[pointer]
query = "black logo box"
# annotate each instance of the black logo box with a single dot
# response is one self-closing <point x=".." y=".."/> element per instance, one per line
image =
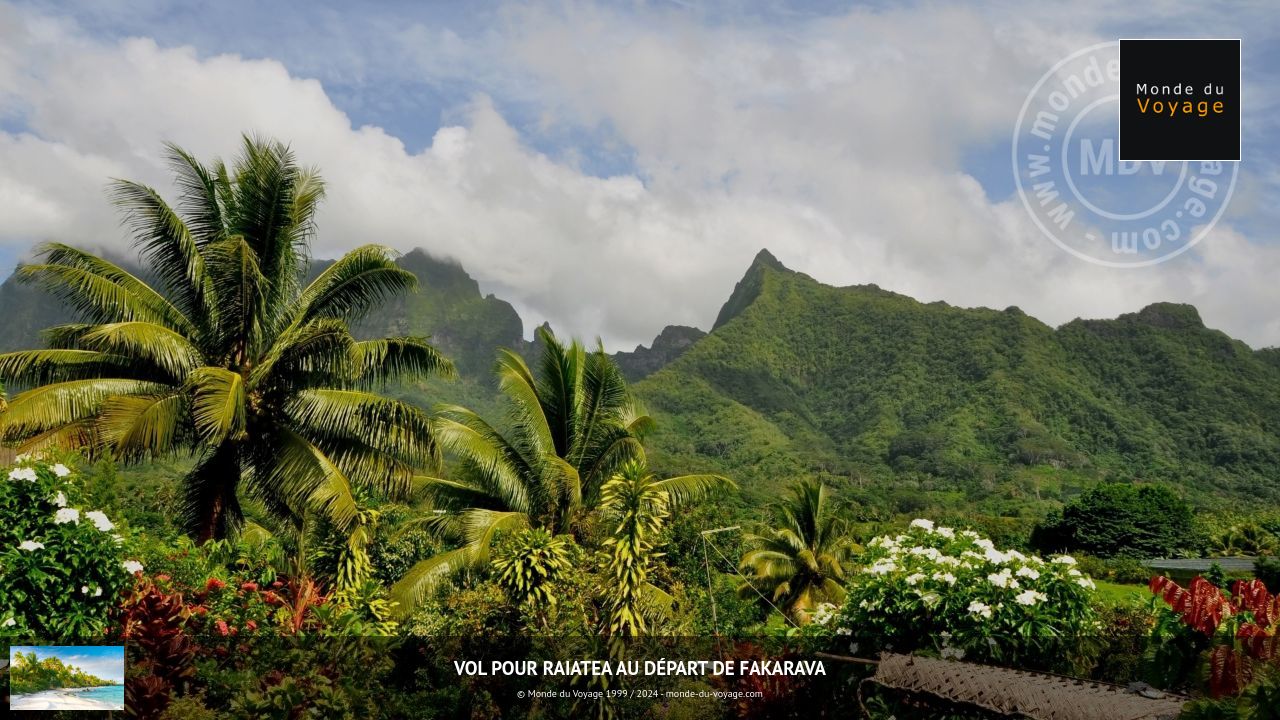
<point x="1185" y="67"/>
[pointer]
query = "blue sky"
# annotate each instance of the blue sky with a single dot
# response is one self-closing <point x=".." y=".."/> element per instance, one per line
<point x="104" y="661"/>
<point x="612" y="167"/>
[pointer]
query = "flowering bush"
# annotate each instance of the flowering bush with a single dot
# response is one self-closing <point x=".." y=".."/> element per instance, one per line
<point x="61" y="566"/>
<point x="935" y="588"/>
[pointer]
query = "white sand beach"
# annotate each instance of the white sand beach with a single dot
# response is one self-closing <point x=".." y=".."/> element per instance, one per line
<point x="62" y="699"/>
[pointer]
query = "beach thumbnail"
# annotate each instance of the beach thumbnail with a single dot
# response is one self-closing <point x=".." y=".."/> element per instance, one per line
<point x="66" y="677"/>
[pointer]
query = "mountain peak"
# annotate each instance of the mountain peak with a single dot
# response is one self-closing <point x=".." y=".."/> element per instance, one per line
<point x="1170" y="316"/>
<point x="764" y="258"/>
<point x="748" y="288"/>
<point x="667" y="346"/>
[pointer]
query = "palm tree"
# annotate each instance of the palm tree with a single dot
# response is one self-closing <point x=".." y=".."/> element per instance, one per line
<point x="1244" y="539"/>
<point x="800" y="563"/>
<point x="229" y="356"/>
<point x="568" y="430"/>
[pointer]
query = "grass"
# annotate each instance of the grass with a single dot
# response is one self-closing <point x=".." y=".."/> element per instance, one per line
<point x="1119" y="594"/>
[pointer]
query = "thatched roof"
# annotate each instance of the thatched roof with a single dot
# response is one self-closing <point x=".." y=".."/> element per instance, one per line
<point x="1021" y="694"/>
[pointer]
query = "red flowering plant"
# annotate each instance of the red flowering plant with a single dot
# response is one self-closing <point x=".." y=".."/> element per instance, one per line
<point x="1234" y="637"/>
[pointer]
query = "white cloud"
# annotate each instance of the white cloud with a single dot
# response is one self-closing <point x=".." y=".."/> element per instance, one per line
<point x="837" y="144"/>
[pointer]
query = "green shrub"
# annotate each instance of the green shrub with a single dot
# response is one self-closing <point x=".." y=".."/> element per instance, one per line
<point x="62" y="568"/>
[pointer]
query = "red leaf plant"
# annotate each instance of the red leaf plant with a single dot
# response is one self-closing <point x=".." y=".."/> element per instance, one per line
<point x="1253" y="610"/>
<point x="153" y="622"/>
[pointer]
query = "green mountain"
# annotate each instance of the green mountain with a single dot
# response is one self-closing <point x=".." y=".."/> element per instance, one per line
<point x="905" y="405"/>
<point x="912" y="404"/>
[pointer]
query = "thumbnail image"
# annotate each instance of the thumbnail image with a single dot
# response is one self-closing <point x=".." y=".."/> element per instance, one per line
<point x="58" y="677"/>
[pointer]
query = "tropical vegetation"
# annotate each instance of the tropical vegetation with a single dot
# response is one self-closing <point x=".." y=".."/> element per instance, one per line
<point x="29" y="674"/>
<point x="227" y="353"/>
<point x="567" y="431"/>
<point x="800" y="563"/>
<point x="281" y="518"/>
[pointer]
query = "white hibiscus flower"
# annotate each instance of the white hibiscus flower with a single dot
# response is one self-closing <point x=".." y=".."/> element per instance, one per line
<point x="980" y="608"/>
<point x="100" y="520"/>
<point x="1030" y="597"/>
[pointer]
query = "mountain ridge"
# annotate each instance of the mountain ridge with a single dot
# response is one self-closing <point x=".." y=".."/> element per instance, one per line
<point x="863" y="385"/>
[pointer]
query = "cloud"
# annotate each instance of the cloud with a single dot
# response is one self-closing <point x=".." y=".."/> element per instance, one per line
<point x="842" y="143"/>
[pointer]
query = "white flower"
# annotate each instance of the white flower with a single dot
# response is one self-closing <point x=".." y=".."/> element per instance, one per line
<point x="23" y="473"/>
<point x="1030" y="597"/>
<point x="824" y="613"/>
<point x="66" y="515"/>
<point x="1086" y="583"/>
<point x="97" y="592"/>
<point x="844" y="631"/>
<point x="60" y="500"/>
<point x="131" y="566"/>
<point x="985" y="544"/>
<point x="22" y="458"/>
<point x="31" y="545"/>
<point x="949" y="653"/>
<point x="969" y="534"/>
<point x="1065" y="560"/>
<point x="100" y="520"/>
<point x="84" y="589"/>
<point x="1027" y="572"/>
<point x="946" y="532"/>
<point x="9" y="622"/>
<point x="1015" y="555"/>
<point x="926" y="525"/>
<point x="945" y="577"/>
<point x="882" y="567"/>
<point x="1074" y="572"/>
<point x="995" y="557"/>
<point x="931" y="598"/>
<point x="61" y="470"/>
<point x="915" y="578"/>
<point x="980" y="608"/>
<point x="1003" y="579"/>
